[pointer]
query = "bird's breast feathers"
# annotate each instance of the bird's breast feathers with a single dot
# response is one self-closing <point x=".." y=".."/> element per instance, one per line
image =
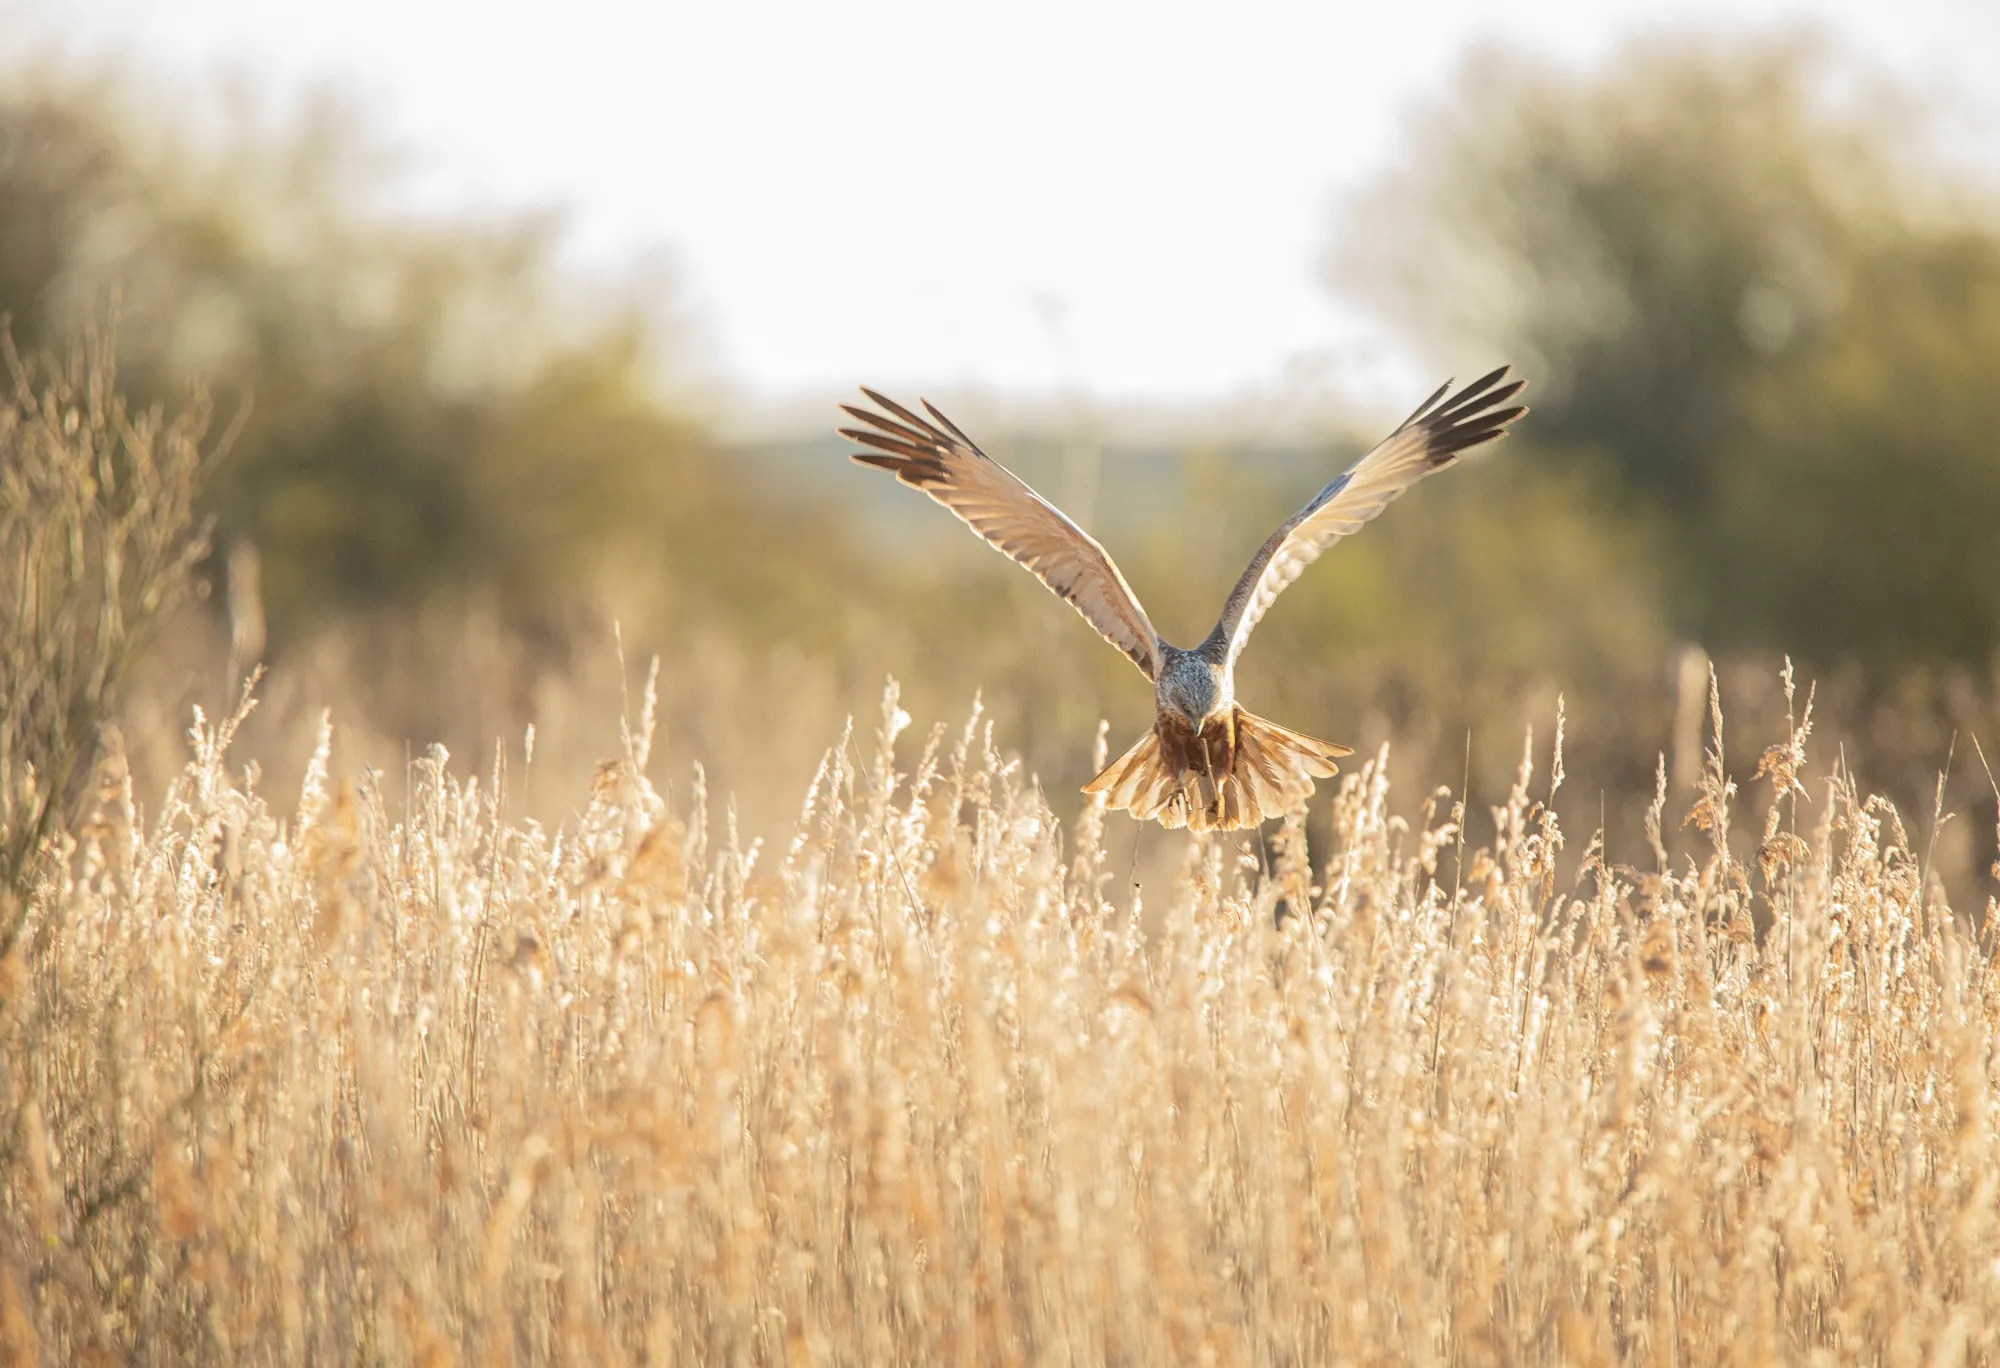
<point x="1206" y="752"/>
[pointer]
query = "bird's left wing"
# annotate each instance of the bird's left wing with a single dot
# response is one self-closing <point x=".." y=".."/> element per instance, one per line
<point x="990" y="499"/>
<point x="1429" y="439"/>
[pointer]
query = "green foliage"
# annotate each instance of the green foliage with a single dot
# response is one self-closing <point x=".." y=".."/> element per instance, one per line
<point x="1760" y="344"/>
<point x="1750" y="297"/>
<point x="1502" y="562"/>
<point x="434" y="419"/>
<point x="1860" y="496"/>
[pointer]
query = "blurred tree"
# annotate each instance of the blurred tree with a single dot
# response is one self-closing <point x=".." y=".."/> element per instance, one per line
<point x="435" y="417"/>
<point x="1860" y="493"/>
<point x="1743" y="289"/>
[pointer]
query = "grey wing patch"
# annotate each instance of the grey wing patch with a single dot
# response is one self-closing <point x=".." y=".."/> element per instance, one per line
<point x="1321" y="499"/>
<point x="1428" y="440"/>
<point x="933" y="455"/>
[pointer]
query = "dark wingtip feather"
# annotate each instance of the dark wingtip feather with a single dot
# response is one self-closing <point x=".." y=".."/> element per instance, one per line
<point x="888" y="441"/>
<point x="1472" y="417"/>
<point x="1423" y="410"/>
<point x="956" y="431"/>
<point x="897" y="409"/>
<point x="1466" y="403"/>
<point x="918" y="436"/>
<point x="1474" y="395"/>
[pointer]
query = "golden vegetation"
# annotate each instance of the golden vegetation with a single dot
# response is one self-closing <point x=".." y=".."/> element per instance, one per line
<point x="402" y="1072"/>
<point x="395" y="1074"/>
<point x="931" y="1083"/>
<point x="98" y="544"/>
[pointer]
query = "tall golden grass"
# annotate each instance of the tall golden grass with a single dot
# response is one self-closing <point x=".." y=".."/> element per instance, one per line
<point x="387" y="1075"/>
<point x="397" y="1073"/>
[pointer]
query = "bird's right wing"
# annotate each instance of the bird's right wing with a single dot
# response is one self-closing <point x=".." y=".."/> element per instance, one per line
<point x="990" y="499"/>
<point x="1429" y="439"/>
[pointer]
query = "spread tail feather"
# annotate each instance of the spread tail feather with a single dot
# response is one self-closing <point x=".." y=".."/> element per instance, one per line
<point x="1271" y="772"/>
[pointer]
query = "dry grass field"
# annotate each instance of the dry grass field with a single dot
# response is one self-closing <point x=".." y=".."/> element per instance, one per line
<point x="384" y="1075"/>
<point x="390" y="1072"/>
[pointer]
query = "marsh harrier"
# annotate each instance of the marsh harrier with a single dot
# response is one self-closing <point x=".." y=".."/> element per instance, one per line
<point x="1206" y="764"/>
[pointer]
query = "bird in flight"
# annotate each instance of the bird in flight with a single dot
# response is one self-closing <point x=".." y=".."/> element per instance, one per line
<point x="1206" y="764"/>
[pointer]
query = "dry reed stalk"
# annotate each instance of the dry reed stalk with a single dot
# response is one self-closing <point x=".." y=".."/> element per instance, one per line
<point x="350" y="1086"/>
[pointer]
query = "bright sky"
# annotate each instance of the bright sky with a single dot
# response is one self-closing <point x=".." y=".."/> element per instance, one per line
<point x="1124" y="200"/>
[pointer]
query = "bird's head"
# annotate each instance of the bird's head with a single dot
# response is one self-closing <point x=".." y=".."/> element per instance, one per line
<point x="1192" y="689"/>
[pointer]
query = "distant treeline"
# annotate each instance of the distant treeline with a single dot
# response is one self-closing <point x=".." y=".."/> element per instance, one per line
<point x="433" y="419"/>
<point x="1765" y="315"/>
<point x="1760" y="316"/>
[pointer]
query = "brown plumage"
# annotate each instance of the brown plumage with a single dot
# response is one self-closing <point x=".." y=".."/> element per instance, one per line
<point x="1207" y="763"/>
<point x="1234" y="772"/>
